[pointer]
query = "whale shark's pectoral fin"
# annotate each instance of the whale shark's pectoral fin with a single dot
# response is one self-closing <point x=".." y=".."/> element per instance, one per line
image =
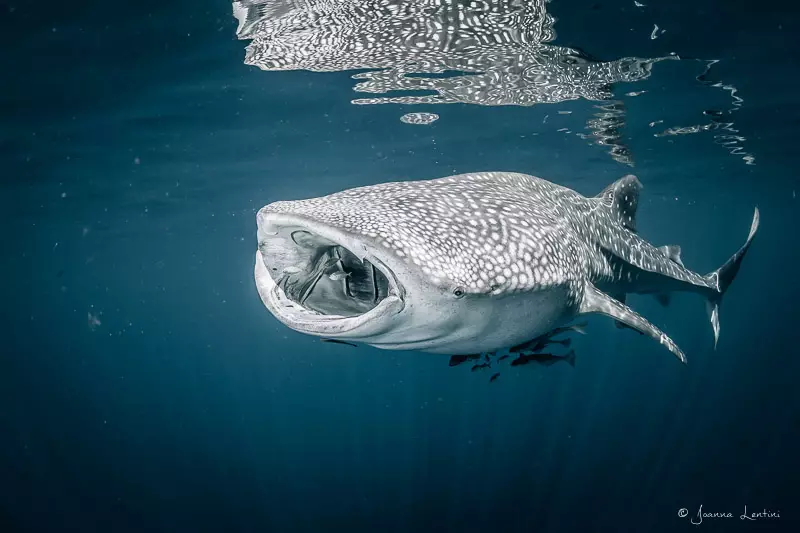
<point x="595" y="301"/>
<point x="621" y="297"/>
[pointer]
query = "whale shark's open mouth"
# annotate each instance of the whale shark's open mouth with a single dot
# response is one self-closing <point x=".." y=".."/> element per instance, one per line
<point x="322" y="280"/>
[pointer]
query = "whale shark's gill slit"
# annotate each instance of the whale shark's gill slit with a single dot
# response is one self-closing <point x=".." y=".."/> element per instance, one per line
<point x="347" y="291"/>
<point x="374" y="283"/>
<point x="314" y="280"/>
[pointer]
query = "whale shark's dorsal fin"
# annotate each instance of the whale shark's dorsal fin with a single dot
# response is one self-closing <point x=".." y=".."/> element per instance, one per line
<point x="595" y="301"/>
<point x="622" y="197"/>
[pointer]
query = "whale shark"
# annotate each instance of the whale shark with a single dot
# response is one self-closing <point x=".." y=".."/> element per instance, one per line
<point x="472" y="263"/>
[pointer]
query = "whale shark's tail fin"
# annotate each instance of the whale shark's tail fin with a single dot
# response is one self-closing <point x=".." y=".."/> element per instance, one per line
<point x="723" y="277"/>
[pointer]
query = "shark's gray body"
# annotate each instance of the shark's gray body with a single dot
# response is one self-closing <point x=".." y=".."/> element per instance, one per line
<point x="474" y="262"/>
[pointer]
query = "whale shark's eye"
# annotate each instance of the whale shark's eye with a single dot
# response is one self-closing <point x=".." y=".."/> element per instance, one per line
<point x="458" y="292"/>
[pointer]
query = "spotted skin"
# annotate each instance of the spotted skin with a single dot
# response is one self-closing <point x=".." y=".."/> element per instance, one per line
<point x="497" y="232"/>
<point x="489" y="233"/>
<point x="504" y="235"/>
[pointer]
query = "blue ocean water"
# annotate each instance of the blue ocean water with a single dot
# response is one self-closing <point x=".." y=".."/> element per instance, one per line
<point x="144" y="386"/>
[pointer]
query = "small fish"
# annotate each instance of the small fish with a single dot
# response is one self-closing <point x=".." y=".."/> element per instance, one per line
<point x="533" y="345"/>
<point x="494" y="377"/>
<point x="564" y="342"/>
<point x="520" y="347"/>
<point x="540" y="342"/>
<point x="337" y="341"/>
<point x="481" y="366"/>
<point x="544" y="359"/>
<point x="456" y="360"/>
<point x="506" y="356"/>
<point x="338" y="276"/>
<point x="638" y="4"/>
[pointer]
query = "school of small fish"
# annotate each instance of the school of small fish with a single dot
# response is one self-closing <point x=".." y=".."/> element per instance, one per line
<point x="527" y="352"/>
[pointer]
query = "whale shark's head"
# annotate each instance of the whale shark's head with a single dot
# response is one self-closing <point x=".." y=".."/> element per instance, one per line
<point x="432" y="266"/>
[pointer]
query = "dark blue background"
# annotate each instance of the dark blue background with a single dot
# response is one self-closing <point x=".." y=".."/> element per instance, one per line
<point x="190" y="408"/>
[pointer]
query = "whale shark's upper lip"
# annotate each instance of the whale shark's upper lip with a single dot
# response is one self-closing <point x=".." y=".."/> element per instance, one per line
<point x="302" y="318"/>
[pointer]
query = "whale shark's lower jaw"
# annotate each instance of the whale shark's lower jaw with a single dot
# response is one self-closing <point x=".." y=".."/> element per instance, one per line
<point x="319" y="280"/>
